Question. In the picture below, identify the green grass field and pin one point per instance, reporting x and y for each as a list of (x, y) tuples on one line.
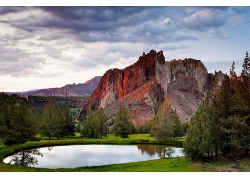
[(160, 165)]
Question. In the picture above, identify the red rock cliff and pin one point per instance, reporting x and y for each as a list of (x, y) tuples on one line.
[(143, 85)]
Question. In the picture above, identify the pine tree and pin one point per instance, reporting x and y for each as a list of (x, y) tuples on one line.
[(102, 121), (90, 125), (47, 127), (122, 126), (22, 126), (162, 124), (69, 129), (177, 125), (199, 136), (58, 124)]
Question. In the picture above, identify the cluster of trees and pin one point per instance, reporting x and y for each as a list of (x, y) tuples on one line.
[(166, 123), (19, 124), (221, 124), (56, 122), (96, 125), (37, 103)]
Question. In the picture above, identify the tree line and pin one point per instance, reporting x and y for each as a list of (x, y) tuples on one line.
[(221, 124), (18, 124), (165, 124)]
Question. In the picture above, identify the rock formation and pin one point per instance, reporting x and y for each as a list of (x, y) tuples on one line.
[(143, 86), (81, 89)]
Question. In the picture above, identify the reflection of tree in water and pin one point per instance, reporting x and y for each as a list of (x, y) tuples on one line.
[(50, 148), (150, 150), (167, 152), (26, 158)]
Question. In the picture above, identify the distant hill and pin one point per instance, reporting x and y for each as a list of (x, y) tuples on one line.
[(81, 89)]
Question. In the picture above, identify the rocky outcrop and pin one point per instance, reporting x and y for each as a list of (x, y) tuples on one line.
[(143, 85), (185, 82)]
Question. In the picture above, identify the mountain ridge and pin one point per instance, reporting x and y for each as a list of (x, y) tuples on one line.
[(81, 89)]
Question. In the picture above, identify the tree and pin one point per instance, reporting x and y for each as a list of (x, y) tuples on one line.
[(177, 125), (199, 136), (3, 128), (102, 122), (122, 126), (69, 129), (47, 128), (58, 124), (22, 126), (162, 124), (90, 125)]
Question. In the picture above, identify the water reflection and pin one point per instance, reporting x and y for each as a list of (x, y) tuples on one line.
[(26, 158), (151, 150), (167, 152), (90, 155)]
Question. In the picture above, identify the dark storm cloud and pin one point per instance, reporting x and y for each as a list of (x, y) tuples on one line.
[(82, 19), (98, 14), (101, 24), (12, 9)]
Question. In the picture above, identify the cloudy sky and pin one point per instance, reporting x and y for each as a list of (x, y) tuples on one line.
[(42, 47)]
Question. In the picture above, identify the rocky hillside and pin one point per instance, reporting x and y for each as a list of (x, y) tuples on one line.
[(81, 89), (143, 85)]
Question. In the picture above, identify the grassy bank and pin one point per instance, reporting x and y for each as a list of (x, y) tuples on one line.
[(159, 165)]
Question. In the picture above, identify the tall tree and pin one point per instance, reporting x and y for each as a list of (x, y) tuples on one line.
[(90, 125), (3, 127), (58, 124), (69, 129), (122, 125), (22, 126), (102, 122), (177, 125), (162, 124), (47, 128), (199, 137)]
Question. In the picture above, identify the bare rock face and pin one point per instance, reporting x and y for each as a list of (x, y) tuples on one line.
[(185, 82), (143, 85)]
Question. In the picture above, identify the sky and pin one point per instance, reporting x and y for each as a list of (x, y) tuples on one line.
[(51, 45)]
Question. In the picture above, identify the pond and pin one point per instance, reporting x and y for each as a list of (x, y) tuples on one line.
[(90, 155)]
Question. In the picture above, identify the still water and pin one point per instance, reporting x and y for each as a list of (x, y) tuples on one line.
[(90, 155)]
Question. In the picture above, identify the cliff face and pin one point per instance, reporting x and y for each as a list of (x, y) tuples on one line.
[(143, 85)]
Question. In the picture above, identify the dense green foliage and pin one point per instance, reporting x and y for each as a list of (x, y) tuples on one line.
[(166, 123), (56, 123), (19, 123), (37, 103), (123, 125), (221, 124), (95, 125)]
